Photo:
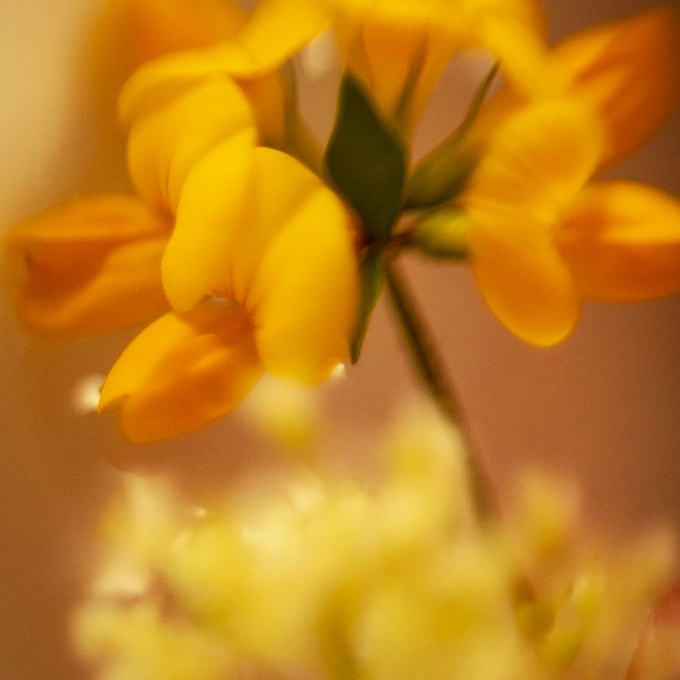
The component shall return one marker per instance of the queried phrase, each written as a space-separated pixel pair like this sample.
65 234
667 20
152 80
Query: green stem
431 370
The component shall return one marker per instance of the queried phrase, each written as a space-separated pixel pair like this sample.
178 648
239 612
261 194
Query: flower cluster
311 576
257 248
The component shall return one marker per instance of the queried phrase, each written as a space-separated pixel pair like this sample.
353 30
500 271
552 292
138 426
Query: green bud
443 174
442 234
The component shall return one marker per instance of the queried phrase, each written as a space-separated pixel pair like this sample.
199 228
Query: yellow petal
167 140
537 159
278 242
622 242
534 164
277 29
522 278
157 27
629 72
211 222
304 293
182 372
91 265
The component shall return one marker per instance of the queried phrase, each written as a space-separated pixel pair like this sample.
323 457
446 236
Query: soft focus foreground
499 414
319 576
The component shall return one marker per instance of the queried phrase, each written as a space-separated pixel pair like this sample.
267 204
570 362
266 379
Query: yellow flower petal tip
91 265
182 372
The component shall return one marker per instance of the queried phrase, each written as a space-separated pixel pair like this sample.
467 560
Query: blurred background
603 407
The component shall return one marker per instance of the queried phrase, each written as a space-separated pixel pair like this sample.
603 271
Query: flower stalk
430 367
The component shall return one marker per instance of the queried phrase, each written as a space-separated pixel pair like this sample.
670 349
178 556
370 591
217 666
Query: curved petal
280 245
182 372
537 159
211 220
167 140
275 31
622 242
303 296
534 165
629 71
91 265
522 278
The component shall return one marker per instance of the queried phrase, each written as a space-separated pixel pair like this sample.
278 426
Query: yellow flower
397 49
534 165
261 270
626 72
92 264
541 240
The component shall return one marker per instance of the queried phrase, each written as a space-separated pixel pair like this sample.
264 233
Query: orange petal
182 372
622 242
534 165
629 71
91 265
522 278
657 656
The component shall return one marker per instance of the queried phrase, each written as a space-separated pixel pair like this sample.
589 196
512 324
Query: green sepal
372 278
366 161
442 234
440 176
444 172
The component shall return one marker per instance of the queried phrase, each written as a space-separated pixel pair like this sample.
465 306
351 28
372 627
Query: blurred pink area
603 407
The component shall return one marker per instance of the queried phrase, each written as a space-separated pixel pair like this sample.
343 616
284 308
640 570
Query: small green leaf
372 277
366 161
444 172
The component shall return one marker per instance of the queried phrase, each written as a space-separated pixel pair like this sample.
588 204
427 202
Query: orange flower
91 265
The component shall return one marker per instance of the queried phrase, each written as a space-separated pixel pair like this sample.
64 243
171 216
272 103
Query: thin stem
431 370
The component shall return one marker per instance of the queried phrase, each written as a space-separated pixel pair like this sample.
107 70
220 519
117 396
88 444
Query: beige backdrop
604 406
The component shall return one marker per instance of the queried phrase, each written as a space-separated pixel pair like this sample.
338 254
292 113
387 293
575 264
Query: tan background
604 406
